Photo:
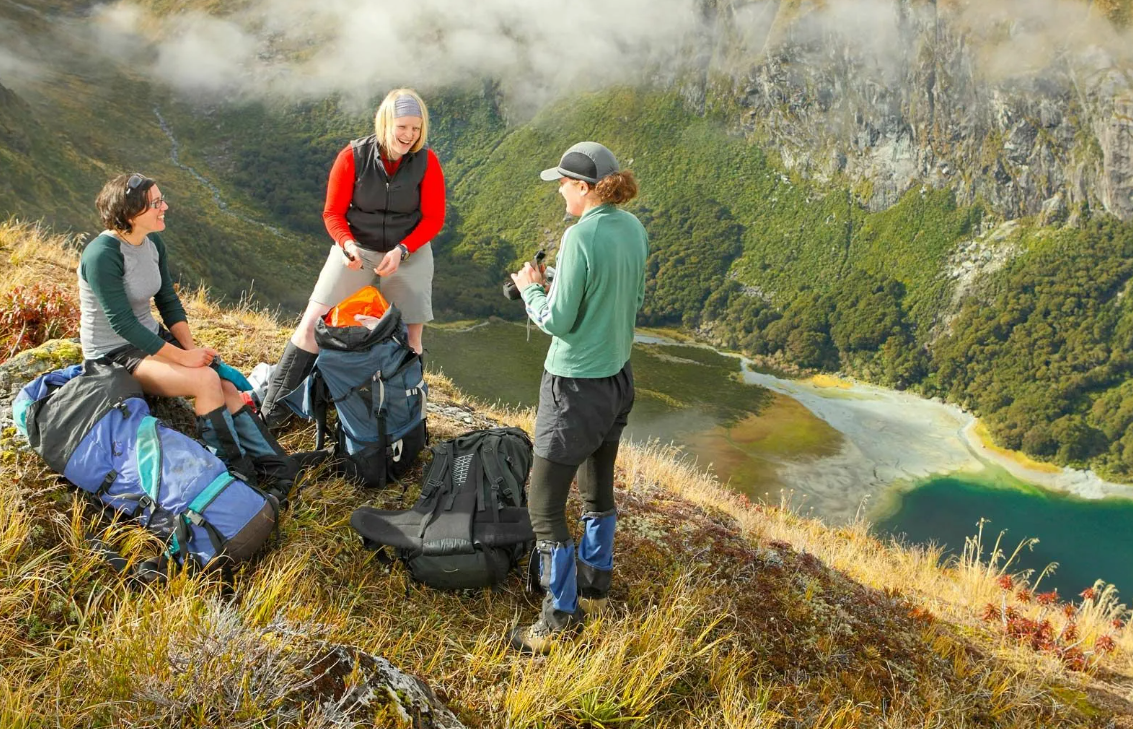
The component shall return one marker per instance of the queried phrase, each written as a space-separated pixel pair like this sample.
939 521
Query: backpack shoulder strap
496 480
149 461
448 528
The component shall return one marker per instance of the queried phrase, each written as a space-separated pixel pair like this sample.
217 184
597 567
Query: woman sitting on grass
121 271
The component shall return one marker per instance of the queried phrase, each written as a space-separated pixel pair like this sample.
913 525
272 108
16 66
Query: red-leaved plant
31 315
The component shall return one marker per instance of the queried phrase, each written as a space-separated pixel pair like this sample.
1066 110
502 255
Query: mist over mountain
1023 104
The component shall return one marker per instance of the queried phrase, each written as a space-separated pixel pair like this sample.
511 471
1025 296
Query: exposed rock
1054 211
31 363
335 677
972 261
1116 139
927 105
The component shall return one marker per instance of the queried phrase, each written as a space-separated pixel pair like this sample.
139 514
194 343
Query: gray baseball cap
586 161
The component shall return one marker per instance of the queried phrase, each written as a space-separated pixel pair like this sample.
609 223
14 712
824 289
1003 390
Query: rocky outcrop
348 684
27 365
936 98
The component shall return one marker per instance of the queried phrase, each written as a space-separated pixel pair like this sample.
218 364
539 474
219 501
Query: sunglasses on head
134 181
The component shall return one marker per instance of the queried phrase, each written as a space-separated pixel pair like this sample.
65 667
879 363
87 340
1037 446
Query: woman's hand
390 263
351 255
528 275
200 357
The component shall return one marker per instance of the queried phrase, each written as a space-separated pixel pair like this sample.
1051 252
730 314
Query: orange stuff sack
367 301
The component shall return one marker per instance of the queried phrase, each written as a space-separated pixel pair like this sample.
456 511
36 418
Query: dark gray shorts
578 414
130 356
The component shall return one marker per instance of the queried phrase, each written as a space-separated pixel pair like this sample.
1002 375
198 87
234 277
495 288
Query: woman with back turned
587 388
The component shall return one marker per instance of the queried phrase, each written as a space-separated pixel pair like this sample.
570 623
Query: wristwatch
404 251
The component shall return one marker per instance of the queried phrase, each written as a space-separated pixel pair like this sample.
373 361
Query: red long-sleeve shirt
340 190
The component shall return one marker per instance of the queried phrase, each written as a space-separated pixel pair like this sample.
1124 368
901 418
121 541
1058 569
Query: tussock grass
33 253
724 613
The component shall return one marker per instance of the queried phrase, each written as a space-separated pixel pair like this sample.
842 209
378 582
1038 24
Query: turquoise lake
1089 539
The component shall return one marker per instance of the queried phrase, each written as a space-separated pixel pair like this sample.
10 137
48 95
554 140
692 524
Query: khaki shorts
410 289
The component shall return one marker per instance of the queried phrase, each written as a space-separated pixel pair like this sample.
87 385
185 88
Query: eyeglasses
156 204
134 181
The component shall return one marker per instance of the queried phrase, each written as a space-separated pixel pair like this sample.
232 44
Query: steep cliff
1029 111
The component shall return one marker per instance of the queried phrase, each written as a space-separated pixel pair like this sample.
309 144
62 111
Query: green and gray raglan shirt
598 287
117 281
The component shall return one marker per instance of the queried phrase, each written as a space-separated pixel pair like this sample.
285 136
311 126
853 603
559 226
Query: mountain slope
811 198
723 613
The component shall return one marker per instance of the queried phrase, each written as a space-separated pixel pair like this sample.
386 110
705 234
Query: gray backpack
470 525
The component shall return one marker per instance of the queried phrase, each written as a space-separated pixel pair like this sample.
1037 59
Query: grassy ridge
725 614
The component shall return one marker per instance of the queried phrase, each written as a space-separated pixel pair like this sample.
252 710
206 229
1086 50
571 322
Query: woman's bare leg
173 380
415 332
304 335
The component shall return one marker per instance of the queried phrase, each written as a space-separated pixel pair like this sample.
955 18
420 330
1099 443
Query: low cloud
297 48
538 50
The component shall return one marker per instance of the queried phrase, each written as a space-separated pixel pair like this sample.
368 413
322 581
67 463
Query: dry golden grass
724 613
31 253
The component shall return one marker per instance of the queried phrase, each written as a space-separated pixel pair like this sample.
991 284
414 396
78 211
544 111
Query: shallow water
1089 539
688 395
911 465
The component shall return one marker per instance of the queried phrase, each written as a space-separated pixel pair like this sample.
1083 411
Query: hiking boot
275 470
539 637
218 432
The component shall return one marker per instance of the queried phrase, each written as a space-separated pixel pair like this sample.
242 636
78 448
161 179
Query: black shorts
130 357
578 414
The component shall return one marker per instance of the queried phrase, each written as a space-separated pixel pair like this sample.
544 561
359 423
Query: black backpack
470 525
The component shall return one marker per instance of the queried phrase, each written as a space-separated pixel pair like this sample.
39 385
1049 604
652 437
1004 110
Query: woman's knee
205 381
311 316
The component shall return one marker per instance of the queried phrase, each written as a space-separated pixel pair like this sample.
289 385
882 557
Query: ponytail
617 187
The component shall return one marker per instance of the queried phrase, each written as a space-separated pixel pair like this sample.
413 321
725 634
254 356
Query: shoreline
894 439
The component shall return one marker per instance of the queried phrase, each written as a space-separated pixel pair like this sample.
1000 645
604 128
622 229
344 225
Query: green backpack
470 525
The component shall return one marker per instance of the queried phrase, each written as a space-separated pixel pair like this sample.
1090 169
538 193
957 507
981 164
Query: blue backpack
91 423
375 382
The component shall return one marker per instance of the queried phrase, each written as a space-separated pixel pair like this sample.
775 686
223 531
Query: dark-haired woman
385 203
587 388
121 272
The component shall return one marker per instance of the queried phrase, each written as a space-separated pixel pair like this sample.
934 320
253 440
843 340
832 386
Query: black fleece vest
384 210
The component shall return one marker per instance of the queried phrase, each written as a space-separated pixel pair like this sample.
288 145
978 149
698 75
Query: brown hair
119 202
616 187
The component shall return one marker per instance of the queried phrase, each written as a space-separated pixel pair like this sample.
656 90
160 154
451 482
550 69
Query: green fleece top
598 287
117 281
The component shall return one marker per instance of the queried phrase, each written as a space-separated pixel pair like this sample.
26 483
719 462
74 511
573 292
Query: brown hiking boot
539 637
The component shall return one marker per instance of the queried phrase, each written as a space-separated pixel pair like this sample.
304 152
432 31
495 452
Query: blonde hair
384 119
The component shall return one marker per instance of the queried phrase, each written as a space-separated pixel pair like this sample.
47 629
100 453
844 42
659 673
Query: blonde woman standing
385 202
